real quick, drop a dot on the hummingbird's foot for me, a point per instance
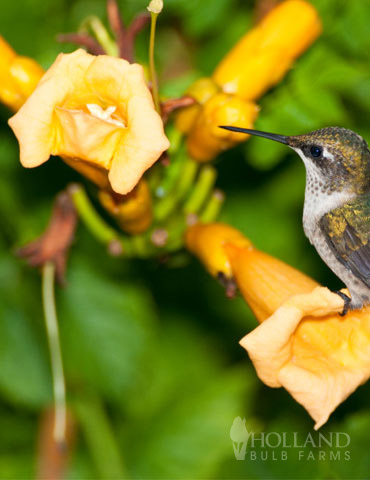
(228, 284)
(347, 302)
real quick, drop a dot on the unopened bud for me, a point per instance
(155, 6)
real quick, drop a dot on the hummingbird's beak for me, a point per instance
(258, 133)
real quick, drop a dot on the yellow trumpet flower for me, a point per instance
(302, 343)
(97, 113)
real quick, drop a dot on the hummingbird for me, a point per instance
(336, 212)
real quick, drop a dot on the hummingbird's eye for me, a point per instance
(316, 151)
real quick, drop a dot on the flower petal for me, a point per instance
(33, 123)
(54, 120)
(86, 137)
(302, 344)
(115, 80)
(319, 361)
(140, 147)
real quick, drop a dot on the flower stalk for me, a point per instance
(101, 34)
(181, 188)
(135, 246)
(213, 207)
(52, 330)
(201, 191)
(152, 70)
(93, 221)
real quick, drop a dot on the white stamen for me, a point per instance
(106, 115)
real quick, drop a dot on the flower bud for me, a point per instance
(132, 212)
(261, 58)
(18, 76)
(206, 139)
(201, 90)
(7, 54)
(26, 72)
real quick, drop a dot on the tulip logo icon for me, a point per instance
(239, 436)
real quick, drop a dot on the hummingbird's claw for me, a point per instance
(228, 283)
(347, 302)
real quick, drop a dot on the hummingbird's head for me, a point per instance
(337, 158)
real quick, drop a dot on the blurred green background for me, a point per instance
(154, 371)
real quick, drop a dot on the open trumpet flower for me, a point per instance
(97, 113)
(302, 343)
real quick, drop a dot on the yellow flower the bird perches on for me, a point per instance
(302, 343)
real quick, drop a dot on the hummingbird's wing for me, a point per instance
(347, 231)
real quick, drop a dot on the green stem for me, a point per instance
(187, 178)
(166, 206)
(142, 246)
(102, 35)
(171, 175)
(51, 322)
(201, 190)
(100, 437)
(175, 138)
(101, 230)
(213, 207)
(98, 227)
(155, 176)
(176, 235)
(177, 156)
(153, 74)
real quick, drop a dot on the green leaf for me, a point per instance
(191, 437)
(24, 372)
(17, 430)
(16, 466)
(99, 437)
(180, 413)
(356, 462)
(105, 327)
(176, 352)
(207, 16)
